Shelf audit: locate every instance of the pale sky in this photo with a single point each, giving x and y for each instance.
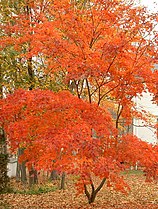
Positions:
(151, 4)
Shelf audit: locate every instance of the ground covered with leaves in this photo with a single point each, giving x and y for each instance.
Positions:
(143, 195)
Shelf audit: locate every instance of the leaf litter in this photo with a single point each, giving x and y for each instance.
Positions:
(143, 195)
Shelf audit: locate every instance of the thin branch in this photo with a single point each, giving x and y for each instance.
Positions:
(92, 185)
(81, 87)
(119, 111)
(108, 92)
(100, 186)
(77, 84)
(86, 191)
(88, 88)
(102, 84)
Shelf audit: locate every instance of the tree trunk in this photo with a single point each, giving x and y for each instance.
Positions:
(23, 173)
(31, 74)
(54, 175)
(91, 197)
(33, 179)
(4, 179)
(21, 168)
(62, 186)
(18, 169)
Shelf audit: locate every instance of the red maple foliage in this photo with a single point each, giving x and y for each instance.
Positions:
(56, 131)
(106, 48)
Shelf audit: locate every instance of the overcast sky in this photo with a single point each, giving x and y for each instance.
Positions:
(151, 4)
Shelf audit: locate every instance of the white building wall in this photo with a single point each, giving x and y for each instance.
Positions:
(146, 133)
(12, 164)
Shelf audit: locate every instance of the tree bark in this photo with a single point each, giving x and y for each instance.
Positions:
(21, 168)
(33, 179)
(54, 175)
(62, 186)
(18, 168)
(4, 179)
(91, 197)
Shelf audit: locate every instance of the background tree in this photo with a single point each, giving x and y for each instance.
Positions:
(23, 71)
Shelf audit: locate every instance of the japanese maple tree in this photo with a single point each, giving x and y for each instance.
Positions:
(56, 132)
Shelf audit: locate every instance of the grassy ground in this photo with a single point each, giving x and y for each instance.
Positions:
(142, 196)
